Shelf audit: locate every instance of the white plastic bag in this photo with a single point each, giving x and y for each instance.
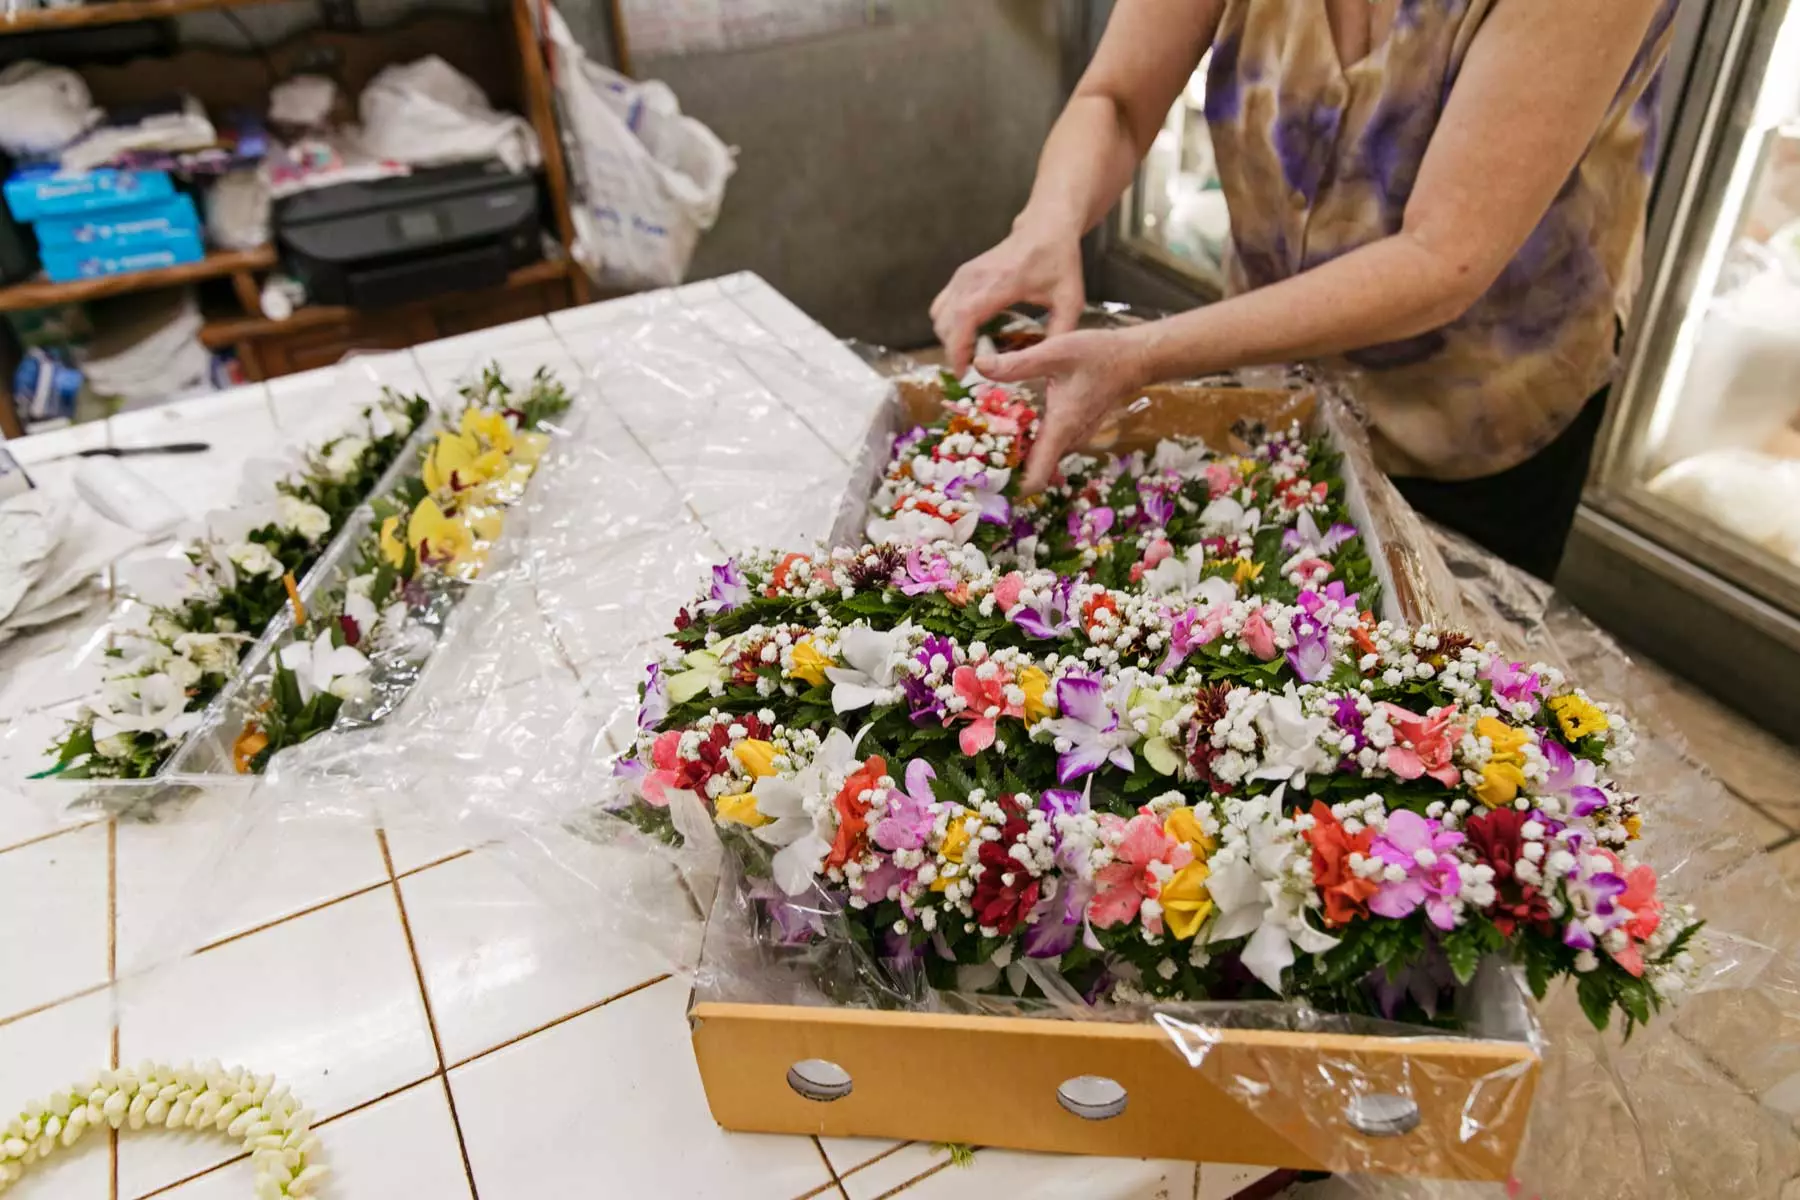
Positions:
(426, 113)
(648, 180)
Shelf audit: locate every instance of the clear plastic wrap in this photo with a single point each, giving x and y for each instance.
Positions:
(690, 453)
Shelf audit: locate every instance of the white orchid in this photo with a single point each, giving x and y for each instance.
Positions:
(142, 704)
(801, 818)
(253, 558)
(319, 666)
(345, 455)
(873, 670)
(1176, 576)
(308, 520)
(910, 527)
(389, 628)
(213, 653)
(1180, 454)
(1291, 747)
(1226, 517)
(1259, 880)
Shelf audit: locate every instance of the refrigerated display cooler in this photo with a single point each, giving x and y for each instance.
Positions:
(1688, 541)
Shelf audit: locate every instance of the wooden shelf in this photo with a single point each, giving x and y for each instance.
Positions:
(41, 293)
(111, 12)
(218, 335)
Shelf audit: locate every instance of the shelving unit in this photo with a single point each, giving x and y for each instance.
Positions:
(511, 67)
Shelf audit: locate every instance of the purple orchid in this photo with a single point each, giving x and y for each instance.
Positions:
(908, 440)
(1091, 525)
(1571, 778)
(1088, 734)
(1188, 632)
(899, 954)
(1063, 802)
(1312, 600)
(922, 703)
(655, 705)
(1420, 847)
(1049, 618)
(1349, 719)
(922, 577)
(1310, 655)
(1305, 538)
(1513, 683)
(1058, 919)
(1592, 907)
(910, 813)
(985, 490)
(1156, 499)
(795, 925)
(728, 588)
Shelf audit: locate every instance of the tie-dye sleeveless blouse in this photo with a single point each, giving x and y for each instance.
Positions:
(1317, 159)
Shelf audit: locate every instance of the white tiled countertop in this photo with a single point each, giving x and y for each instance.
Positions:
(456, 1026)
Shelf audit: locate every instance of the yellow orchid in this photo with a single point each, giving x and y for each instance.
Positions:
(490, 427)
(392, 548)
(1185, 901)
(1500, 783)
(1634, 825)
(457, 461)
(809, 665)
(738, 810)
(444, 542)
(1036, 686)
(1182, 825)
(1577, 716)
(528, 448)
(1159, 751)
(1247, 571)
(484, 522)
(756, 756)
(957, 835)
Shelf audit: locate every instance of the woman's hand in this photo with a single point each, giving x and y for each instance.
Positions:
(1091, 375)
(1033, 264)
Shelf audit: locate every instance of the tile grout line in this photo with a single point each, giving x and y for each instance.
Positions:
(583, 1011)
(54, 833)
(437, 1044)
(829, 1169)
(896, 1148)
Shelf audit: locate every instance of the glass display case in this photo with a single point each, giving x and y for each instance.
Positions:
(1688, 543)
(1175, 211)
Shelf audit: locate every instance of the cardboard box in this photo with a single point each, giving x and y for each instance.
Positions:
(1418, 1102)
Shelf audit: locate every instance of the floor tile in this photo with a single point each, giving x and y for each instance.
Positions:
(400, 1148)
(614, 1095)
(885, 1172)
(31, 809)
(328, 1003)
(510, 940)
(49, 1052)
(222, 864)
(1055, 1177)
(412, 847)
(53, 893)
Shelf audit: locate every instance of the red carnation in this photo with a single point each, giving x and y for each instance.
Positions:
(1497, 839)
(998, 904)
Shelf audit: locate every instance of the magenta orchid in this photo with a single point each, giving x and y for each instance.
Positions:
(1090, 526)
(1571, 778)
(1089, 733)
(1310, 655)
(1514, 684)
(1049, 616)
(911, 812)
(923, 576)
(1418, 849)
(1189, 631)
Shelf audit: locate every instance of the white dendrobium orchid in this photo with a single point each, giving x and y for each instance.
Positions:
(1226, 516)
(142, 704)
(874, 660)
(800, 812)
(318, 666)
(253, 558)
(1291, 749)
(341, 461)
(1184, 456)
(1259, 881)
(308, 520)
(213, 653)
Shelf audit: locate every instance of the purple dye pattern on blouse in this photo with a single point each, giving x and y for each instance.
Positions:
(1318, 160)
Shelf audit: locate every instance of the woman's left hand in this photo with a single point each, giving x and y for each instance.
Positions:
(1090, 373)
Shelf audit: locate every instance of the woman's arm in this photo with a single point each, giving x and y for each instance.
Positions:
(1143, 61)
(1534, 87)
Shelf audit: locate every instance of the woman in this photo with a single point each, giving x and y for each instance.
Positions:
(1447, 196)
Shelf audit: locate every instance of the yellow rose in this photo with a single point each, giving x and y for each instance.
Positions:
(1500, 783)
(1578, 717)
(957, 835)
(1509, 743)
(1184, 827)
(1036, 685)
(809, 665)
(757, 756)
(1185, 901)
(738, 810)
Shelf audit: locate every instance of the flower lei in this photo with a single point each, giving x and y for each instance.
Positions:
(276, 1132)
(166, 667)
(1219, 778)
(434, 532)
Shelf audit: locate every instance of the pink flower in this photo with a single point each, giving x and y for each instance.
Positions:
(1639, 898)
(1513, 683)
(1260, 637)
(984, 701)
(1157, 552)
(1422, 849)
(1007, 589)
(1131, 878)
(1422, 745)
(1221, 478)
(910, 813)
(665, 757)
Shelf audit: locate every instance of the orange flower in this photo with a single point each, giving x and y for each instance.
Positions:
(250, 743)
(1097, 603)
(779, 579)
(1346, 893)
(853, 812)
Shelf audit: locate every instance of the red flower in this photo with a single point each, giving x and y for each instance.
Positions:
(1006, 891)
(1346, 893)
(1096, 604)
(778, 580)
(853, 812)
(712, 756)
(1496, 838)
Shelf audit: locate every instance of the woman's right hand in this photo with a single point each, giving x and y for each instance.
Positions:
(1033, 264)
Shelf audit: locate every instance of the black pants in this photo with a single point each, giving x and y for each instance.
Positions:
(1523, 514)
